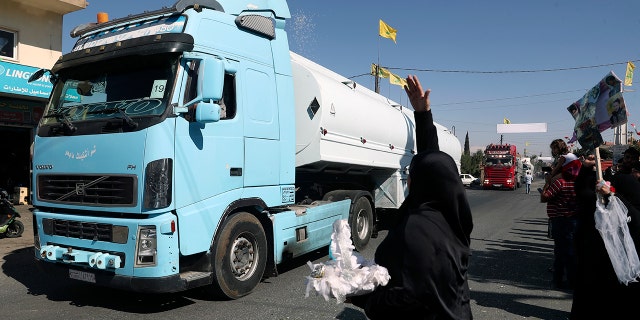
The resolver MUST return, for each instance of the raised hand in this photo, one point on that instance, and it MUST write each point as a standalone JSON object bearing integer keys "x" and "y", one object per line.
{"x": 419, "y": 99}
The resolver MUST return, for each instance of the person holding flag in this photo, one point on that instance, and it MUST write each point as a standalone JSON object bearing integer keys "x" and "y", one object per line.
{"x": 596, "y": 284}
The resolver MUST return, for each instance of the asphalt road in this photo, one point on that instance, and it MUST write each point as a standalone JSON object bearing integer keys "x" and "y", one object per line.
{"x": 509, "y": 278}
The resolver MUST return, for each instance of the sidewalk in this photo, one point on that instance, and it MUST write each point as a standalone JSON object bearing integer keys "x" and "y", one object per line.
{"x": 26, "y": 240}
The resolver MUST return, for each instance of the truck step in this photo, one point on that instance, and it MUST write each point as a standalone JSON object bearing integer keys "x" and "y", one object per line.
{"x": 196, "y": 278}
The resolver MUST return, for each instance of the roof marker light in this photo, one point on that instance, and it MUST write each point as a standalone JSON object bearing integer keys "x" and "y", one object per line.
{"x": 103, "y": 17}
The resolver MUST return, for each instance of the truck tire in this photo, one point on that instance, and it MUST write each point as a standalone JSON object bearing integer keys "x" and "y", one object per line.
{"x": 15, "y": 229}
{"x": 361, "y": 222}
{"x": 239, "y": 256}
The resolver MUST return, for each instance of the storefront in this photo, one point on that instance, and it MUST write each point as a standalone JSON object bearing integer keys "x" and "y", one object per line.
{"x": 21, "y": 107}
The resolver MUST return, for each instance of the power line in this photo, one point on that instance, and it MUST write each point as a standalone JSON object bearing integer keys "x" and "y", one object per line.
{"x": 500, "y": 71}
{"x": 509, "y": 98}
{"x": 512, "y": 71}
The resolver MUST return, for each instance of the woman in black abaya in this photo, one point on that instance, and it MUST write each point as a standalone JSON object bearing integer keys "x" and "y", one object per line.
{"x": 427, "y": 251}
{"x": 598, "y": 294}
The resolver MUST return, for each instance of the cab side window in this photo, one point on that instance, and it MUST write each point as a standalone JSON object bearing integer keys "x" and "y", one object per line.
{"x": 228, "y": 101}
{"x": 227, "y": 104}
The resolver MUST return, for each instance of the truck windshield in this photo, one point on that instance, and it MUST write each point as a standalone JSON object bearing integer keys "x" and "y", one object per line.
{"x": 498, "y": 161}
{"x": 129, "y": 87}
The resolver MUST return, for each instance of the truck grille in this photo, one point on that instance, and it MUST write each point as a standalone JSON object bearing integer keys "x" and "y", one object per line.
{"x": 82, "y": 230}
{"x": 85, "y": 230}
{"x": 499, "y": 175}
{"x": 90, "y": 190}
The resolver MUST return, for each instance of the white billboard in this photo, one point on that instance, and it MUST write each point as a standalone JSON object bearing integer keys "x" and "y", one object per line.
{"x": 522, "y": 127}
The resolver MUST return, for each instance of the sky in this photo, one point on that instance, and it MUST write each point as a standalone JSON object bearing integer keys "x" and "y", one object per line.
{"x": 484, "y": 61}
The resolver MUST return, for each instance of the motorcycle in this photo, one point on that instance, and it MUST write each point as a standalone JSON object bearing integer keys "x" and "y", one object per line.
{"x": 10, "y": 227}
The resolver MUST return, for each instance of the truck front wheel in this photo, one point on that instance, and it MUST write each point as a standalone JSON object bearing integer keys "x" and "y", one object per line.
{"x": 361, "y": 222}
{"x": 239, "y": 256}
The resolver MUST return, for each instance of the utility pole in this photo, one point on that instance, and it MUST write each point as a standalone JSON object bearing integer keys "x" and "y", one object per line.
{"x": 377, "y": 82}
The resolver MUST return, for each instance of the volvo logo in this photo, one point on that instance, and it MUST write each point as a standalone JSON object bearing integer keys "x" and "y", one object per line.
{"x": 44, "y": 167}
{"x": 80, "y": 189}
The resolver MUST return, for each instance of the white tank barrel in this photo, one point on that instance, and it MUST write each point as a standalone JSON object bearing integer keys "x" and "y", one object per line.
{"x": 343, "y": 126}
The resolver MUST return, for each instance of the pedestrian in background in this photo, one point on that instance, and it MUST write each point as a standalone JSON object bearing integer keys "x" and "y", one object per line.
{"x": 560, "y": 153}
{"x": 562, "y": 212}
{"x": 528, "y": 179}
{"x": 630, "y": 157}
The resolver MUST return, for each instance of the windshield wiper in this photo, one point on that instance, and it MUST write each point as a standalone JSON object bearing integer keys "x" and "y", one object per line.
{"x": 132, "y": 124}
{"x": 65, "y": 122}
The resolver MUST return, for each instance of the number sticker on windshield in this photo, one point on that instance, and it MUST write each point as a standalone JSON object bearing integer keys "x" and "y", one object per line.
{"x": 158, "y": 89}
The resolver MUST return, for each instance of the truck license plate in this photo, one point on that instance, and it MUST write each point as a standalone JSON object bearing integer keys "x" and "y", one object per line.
{"x": 82, "y": 276}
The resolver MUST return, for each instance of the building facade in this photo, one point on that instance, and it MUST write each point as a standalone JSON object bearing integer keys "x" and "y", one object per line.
{"x": 30, "y": 39}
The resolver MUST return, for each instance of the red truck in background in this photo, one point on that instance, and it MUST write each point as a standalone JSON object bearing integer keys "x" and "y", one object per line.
{"x": 501, "y": 167}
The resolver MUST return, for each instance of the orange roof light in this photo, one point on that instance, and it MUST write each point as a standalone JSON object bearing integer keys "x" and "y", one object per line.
{"x": 103, "y": 17}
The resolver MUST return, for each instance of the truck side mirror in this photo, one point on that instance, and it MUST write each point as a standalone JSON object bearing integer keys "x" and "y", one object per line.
{"x": 210, "y": 82}
{"x": 36, "y": 75}
{"x": 207, "y": 112}
{"x": 40, "y": 73}
{"x": 211, "y": 79}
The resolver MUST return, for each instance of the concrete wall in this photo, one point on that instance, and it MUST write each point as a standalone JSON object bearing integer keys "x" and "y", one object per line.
{"x": 38, "y": 24}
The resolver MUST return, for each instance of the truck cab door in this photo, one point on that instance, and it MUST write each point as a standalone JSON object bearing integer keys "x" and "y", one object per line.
{"x": 208, "y": 157}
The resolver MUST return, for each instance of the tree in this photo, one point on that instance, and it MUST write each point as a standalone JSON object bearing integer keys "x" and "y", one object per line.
{"x": 470, "y": 163}
{"x": 477, "y": 159}
{"x": 465, "y": 164}
{"x": 466, "y": 144}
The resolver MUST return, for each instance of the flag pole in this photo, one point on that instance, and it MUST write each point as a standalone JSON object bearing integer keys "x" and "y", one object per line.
{"x": 377, "y": 79}
{"x": 598, "y": 164}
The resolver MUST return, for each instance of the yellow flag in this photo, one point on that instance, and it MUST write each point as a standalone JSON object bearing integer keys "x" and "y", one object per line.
{"x": 526, "y": 144}
{"x": 628, "y": 78}
{"x": 387, "y": 32}
{"x": 382, "y": 72}
{"x": 397, "y": 80}
{"x": 506, "y": 121}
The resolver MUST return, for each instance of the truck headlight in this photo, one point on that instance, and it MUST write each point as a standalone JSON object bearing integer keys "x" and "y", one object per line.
{"x": 157, "y": 184}
{"x": 146, "y": 247}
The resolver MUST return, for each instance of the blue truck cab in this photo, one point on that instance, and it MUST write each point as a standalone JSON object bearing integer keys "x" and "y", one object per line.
{"x": 165, "y": 157}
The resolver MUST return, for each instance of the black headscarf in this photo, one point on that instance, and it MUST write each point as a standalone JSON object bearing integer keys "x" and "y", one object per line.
{"x": 436, "y": 186}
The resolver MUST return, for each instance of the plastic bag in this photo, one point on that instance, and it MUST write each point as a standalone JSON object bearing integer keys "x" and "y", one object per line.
{"x": 347, "y": 273}
{"x": 611, "y": 222}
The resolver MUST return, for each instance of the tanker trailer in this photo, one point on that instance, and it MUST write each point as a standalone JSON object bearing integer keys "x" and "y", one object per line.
{"x": 353, "y": 143}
